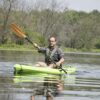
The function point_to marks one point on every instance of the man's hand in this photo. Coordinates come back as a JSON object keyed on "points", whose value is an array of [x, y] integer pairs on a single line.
{"points": [[36, 45], [58, 64]]}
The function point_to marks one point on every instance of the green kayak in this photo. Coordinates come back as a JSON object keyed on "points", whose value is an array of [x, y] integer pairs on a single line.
{"points": [[28, 69]]}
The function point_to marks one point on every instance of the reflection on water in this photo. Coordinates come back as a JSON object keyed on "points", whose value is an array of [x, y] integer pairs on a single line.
{"points": [[84, 85]]}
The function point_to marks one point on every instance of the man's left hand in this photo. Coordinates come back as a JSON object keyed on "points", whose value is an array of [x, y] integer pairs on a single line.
{"points": [[58, 64]]}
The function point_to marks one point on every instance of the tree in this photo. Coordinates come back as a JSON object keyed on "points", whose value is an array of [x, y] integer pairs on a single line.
{"points": [[6, 11]]}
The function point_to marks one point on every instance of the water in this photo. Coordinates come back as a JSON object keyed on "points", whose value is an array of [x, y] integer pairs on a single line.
{"points": [[84, 85]]}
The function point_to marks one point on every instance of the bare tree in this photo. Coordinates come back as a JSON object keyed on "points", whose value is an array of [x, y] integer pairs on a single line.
{"points": [[6, 11], [49, 19]]}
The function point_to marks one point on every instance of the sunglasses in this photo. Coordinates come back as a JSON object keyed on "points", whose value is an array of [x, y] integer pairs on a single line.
{"points": [[52, 41]]}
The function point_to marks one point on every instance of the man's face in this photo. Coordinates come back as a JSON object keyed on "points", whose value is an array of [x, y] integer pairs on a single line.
{"points": [[52, 42]]}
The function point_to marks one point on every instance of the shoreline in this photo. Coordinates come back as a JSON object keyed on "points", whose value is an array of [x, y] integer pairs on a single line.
{"points": [[69, 50]]}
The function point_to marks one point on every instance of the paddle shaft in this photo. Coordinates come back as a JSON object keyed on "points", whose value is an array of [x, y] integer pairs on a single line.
{"points": [[29, 40], [63, 70]]}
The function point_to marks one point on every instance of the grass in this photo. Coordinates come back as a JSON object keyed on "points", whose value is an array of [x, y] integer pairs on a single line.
{"points": [[96, 50], [80, 50], [17, 47]]}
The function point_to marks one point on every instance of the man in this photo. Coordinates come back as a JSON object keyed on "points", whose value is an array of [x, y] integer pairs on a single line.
{"points": [[53, 58], [53, 54]]}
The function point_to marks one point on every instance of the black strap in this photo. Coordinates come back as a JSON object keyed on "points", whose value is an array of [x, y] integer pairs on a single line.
{"points": [[50, 55]]}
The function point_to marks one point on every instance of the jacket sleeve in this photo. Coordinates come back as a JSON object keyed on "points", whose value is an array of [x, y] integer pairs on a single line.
{"points": [[42, 50], [60, 53]]}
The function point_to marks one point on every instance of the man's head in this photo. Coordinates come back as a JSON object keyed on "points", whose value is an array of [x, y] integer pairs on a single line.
{"points": [[52, 41]]}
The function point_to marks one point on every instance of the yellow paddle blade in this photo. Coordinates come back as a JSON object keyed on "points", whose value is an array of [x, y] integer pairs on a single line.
{"points": [[17, 31]]}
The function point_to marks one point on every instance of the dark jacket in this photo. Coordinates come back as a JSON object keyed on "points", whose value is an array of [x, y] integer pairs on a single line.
{"points": [[51, 55]]}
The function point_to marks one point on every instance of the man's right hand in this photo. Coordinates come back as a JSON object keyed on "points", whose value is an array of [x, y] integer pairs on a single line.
{"points": [[36, 45]]}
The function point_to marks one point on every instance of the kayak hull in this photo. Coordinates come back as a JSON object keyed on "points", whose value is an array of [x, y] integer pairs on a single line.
{"points": [[28, 69]]}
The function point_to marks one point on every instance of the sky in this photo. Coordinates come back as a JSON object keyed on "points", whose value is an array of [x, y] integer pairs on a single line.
{"points": [[83, 5], [79, 5]]}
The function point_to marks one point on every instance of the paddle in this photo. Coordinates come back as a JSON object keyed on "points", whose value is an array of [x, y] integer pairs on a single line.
{"points": [[21, 34], [63, 70]]}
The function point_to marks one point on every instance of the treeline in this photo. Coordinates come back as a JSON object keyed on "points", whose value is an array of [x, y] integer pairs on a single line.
{"points": [[73, 29]]}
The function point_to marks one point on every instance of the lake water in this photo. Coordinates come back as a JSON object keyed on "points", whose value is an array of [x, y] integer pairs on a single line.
{"points": [[84, 85]]}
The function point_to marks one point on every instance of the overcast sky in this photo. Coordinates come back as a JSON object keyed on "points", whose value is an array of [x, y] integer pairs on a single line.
{"points": [[79, 5], [84, 5]]}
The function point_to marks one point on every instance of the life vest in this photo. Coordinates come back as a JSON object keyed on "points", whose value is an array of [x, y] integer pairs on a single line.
{"points": [[49, 55]]}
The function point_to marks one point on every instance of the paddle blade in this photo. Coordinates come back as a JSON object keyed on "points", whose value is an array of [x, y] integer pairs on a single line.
{"points": [[17, 31]]}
